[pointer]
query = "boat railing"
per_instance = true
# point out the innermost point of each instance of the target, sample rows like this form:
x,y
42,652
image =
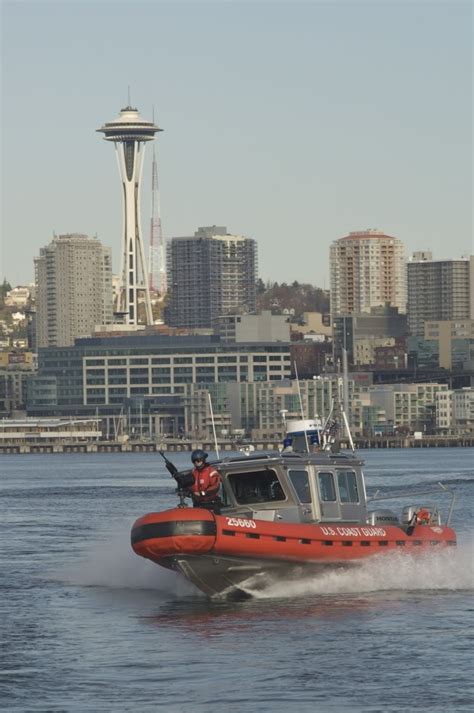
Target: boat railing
x,y
296,455
406,493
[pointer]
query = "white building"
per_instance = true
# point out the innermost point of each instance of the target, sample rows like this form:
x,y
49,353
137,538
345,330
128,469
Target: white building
x,y
455,410
17,297
410,405
463,409
444,410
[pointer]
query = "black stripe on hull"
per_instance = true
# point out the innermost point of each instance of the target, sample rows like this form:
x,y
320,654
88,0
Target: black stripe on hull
x,y
173,529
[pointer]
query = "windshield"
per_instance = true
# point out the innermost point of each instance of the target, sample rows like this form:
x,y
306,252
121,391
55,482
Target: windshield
x,y
256,487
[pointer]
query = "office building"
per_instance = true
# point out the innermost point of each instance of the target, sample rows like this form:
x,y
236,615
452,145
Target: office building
x,y
262,327
73,289
367,269
438,290
362,333
455,343
150,375
210,274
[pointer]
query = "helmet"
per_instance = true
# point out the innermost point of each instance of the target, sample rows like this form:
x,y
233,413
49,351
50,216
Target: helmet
x,y
198,454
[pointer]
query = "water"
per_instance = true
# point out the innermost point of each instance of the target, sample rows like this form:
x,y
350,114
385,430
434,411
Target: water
x,y
86,625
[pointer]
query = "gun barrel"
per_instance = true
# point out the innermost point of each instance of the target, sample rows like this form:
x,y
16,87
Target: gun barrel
x,y
170,467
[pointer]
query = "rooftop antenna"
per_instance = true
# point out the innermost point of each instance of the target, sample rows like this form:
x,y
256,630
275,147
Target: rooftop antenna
x,y
128,93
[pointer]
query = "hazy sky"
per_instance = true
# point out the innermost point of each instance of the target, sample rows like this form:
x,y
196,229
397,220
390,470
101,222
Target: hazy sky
x,y
289,122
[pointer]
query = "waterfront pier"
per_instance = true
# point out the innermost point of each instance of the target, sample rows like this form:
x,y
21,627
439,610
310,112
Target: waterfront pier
x,y
179,445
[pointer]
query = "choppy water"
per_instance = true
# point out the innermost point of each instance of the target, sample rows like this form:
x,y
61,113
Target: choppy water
x,y
85,625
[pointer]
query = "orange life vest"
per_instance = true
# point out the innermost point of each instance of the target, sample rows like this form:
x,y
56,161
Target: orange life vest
x,y
206,483
423,516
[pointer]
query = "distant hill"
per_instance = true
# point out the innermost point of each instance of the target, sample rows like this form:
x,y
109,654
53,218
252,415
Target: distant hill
x,y
297,296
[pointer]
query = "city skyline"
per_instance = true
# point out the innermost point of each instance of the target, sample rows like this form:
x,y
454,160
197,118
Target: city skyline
x,y
293,125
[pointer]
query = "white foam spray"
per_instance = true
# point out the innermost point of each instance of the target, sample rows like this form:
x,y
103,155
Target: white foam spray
x,y
112,563
447,569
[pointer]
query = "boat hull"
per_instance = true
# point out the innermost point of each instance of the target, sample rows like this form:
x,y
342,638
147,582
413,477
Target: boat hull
x,y
222,554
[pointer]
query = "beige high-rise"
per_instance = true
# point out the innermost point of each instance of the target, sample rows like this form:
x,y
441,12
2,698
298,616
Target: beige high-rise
x,y
73,277
367,270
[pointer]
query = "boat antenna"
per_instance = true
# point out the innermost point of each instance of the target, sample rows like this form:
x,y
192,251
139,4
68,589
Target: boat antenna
x,y
213,425
301,407
344,398
325,431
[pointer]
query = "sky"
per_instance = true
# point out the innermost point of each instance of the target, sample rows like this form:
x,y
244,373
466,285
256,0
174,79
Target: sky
x,y
292,123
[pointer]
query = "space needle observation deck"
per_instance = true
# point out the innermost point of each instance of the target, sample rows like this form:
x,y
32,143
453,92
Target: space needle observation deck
x,y
130,132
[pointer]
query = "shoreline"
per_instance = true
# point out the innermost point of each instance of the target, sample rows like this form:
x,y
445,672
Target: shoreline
x,y
176,446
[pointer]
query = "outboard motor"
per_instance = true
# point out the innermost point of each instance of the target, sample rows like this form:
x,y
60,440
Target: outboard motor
x,y
382,517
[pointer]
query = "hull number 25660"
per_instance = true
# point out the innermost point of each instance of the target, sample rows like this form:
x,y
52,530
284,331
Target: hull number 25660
x,y
238,522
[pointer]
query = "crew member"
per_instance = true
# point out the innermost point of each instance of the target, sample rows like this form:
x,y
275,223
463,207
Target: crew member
x,y
206,484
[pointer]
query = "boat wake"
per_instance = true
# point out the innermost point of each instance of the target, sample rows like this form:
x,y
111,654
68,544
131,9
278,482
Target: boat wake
x,y
111,563
446,570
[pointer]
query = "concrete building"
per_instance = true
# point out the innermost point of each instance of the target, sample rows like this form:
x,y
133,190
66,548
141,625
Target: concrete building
x,y
263,327
455,411
361,334
408,405
13,390
210,274
153,376
455,342
367,269
444,411
438,290
463,409
314,323
73,289
261,409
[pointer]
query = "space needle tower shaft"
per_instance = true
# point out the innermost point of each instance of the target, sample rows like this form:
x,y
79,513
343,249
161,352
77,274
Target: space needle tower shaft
x,y
129,133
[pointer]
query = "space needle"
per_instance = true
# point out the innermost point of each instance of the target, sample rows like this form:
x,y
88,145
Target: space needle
x,y
129,132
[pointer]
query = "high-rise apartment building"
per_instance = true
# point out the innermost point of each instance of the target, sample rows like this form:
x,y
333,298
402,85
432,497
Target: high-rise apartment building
x,y
210,274
438,290
367,270
73,277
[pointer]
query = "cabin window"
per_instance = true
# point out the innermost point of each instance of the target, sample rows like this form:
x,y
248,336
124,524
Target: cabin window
x,y
256,487
300,481
326,487
347,484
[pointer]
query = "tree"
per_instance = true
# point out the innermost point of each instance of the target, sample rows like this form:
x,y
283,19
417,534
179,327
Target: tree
x,y
4,288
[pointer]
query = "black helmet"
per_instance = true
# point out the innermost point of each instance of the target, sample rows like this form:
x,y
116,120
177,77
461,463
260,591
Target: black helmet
x,y
198,454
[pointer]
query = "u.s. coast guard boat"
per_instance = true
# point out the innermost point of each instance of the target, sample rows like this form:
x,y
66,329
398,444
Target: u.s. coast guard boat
x,y
299,510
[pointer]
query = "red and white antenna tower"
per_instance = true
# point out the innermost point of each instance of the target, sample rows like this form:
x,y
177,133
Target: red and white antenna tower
x,y
157,258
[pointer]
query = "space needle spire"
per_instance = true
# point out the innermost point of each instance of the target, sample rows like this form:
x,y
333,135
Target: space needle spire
x,y
129,132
